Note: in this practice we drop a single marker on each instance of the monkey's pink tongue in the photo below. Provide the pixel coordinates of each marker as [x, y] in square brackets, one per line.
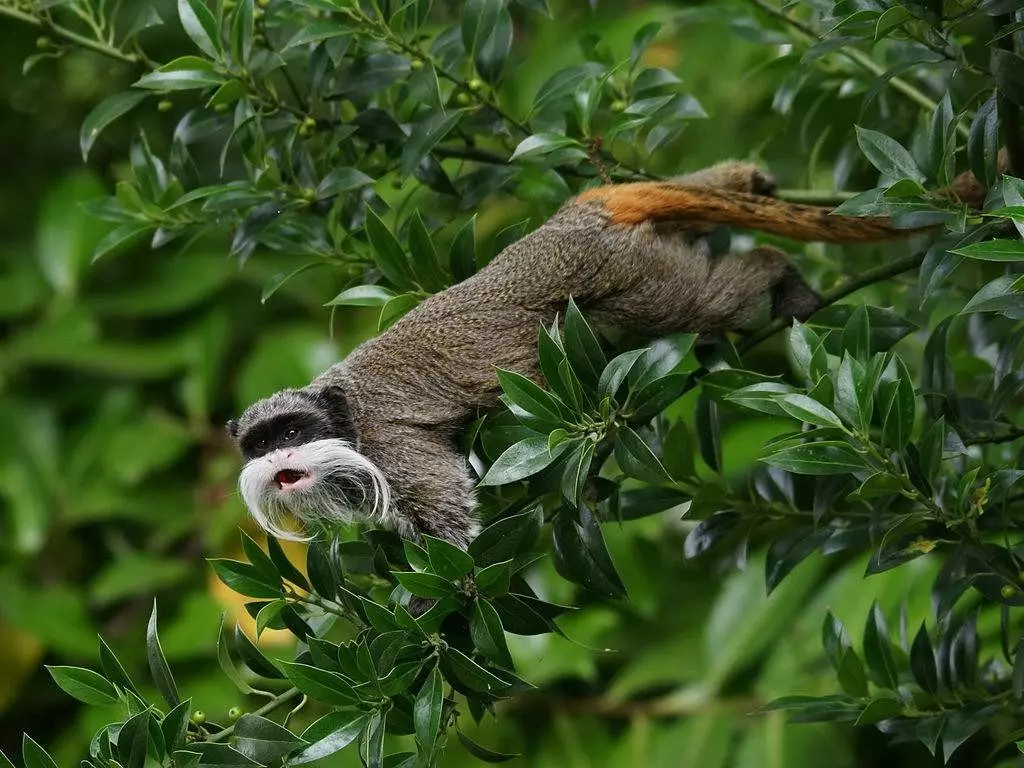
[287, 477]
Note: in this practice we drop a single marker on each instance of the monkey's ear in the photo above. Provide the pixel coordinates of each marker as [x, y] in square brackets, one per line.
[232, 428]
[333, 398]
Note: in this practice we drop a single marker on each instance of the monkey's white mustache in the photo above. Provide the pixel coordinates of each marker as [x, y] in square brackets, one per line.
[321, 481]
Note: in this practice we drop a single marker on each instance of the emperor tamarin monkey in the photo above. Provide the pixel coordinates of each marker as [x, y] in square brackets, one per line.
[377, 431]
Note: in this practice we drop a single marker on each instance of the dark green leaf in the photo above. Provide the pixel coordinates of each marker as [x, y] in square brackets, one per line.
[788, 551]
[521, 391]
[1008, 72]
[264, 740]
[321, 684]
[174, 726]
[709, 532]
[106, 112]
[216, 755]
[447, 560]
[425, 584]
[494, 580]
[1004, 295]
[133, 740]
[158, 667]
[112, 668]
[362, 296]
[896, 404]
[827, 457]
[519, 461]
[34, 755]
[242, 32]
[84, 685]
[922, 662]
[330, 734]
[887, 155]
[462, 253]
[322, 569]
[636, 459]
[580, 554]
[993, 250]
[285, 566]
[386, 252]
[424, 137]
[709, 437]
[253, 657]
[878, 651]
[809, 410]
[582, 347]
[507, 538]
[487, 633]
[983, 142]
[574, 477]
[200, 25]
[474, 676]
[425, 264]
[245, 579]
[616, 371]
[427, 711]
[483, 753]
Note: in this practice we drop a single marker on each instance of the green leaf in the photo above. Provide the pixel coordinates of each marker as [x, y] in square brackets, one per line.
[709, 437]
[857, 334]
[492, 50]
[264, 740]
[34, 755]
[321, 684]
[252, 656]
[519, 461]
[827, 457]
[341, 180]
[887, 155]
[447, 560]
[425, 135]
[506, 538]
[922, 662]
[362, 296]
[200, 25]
[615, 373]
[896, 404]
[474, 676]
[983, 142]
[581, 556]
[216, 755]
[541, 144]
[854, 399]
[662, 357]
[386, 252]
[574, 477]
[488, 636]
[582, 347]
[104, 113]
[531, 398]
[494, 580]
[425, 263]
[807, 354]
[112, 668]
[285, 566]
[425, 584]
[788, 551]
[636, 459]
[322, 568]
[1008, 72]
[84, 684]
[330, 734]
[993, 250]
[158, 667]
[245, 579]
[642, 40]
[1004, 295]
[462, 253]
[174, 726]
[878, 651]
[179, 80]
[427, 713]
[809, 410]
[133, 740]
[242, 32]
[483, 753]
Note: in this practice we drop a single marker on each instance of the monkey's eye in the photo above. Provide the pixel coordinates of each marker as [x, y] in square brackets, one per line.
[261, 444]
[291, 434]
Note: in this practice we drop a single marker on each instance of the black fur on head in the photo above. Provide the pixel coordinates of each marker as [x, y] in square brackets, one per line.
[292, 417]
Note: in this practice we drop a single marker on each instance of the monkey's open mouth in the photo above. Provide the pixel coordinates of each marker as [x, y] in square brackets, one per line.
[286, 478]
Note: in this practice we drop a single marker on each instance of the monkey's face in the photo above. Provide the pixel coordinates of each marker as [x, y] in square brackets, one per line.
[298, 464]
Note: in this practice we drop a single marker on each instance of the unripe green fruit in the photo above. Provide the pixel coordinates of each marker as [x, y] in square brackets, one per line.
[262, 3]
[43, 42]
[416, 64]
[1008, 591]
[308, 194]
[198, 717]
[165, 105]
[220, 108]
[618, 105]
[475, 84]
[234, 713]
[462, 99]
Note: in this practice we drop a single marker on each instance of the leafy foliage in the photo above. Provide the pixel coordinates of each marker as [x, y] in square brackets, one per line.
[354, 151]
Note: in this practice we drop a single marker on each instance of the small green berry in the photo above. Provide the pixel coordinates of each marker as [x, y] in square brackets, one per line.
[1008, 591]
[462, 99]
[416, 64]
[262, 3]
[43, 42]
[308, 194]
[305, 132]
[165, 105]
[618, 105]
[309, 121]
[475, 84]
[198, 717]
[258, 13]
[234, 713]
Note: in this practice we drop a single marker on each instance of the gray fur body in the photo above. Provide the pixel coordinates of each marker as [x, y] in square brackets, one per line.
[409, 391]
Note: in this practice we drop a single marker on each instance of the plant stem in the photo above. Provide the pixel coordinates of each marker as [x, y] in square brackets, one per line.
[859, 58]
[877, 275]
[998, 437]
[270, 706]
[96, 46]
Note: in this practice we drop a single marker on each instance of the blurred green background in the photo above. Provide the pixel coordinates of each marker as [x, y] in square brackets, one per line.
[116, 479]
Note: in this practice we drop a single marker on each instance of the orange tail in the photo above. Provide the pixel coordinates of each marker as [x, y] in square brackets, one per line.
[654, 201]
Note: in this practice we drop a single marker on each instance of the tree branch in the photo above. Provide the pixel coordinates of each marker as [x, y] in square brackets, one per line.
[884, 272]
[270, 706]
[1015, 433]
[63, 33]
[859, 58]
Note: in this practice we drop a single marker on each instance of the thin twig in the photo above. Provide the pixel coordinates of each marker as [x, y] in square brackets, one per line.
[1016, 433]
[97, 46]
[270, 706]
